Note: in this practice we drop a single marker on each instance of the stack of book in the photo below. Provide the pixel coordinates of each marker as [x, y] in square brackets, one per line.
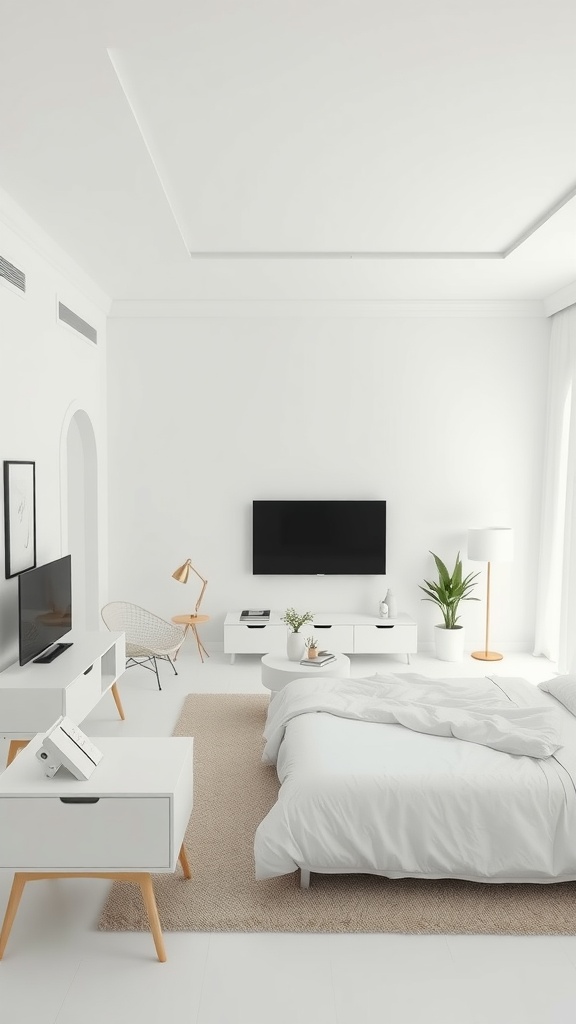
[322, 658]
[255, 615]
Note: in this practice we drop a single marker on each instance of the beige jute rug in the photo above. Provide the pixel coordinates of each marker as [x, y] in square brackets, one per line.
[233, 791]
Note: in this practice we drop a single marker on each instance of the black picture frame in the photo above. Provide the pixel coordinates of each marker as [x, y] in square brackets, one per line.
[19, 517]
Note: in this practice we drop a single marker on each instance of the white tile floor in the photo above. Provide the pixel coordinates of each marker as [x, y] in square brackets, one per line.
[58, 969]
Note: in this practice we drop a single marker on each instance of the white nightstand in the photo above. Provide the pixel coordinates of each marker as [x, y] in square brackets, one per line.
[277, 671]
[126, 821]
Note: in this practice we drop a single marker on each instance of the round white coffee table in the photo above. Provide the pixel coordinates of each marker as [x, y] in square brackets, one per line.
[277, 671]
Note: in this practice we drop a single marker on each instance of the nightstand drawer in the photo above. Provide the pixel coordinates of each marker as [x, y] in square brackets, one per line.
[388, 638]
[47, 833]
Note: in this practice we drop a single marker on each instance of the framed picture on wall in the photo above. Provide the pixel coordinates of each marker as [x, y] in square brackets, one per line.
[19, 517]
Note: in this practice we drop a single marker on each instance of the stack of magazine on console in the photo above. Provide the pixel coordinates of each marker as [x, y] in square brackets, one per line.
[255, 615]
[322, 658]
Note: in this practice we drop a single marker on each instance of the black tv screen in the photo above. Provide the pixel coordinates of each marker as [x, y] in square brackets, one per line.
[44, 606]
[319, 538]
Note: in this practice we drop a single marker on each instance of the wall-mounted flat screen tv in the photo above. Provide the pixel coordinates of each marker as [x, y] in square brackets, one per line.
[44, 606]
[319, 538]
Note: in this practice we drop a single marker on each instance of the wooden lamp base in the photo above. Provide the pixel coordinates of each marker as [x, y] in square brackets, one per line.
[486, 656]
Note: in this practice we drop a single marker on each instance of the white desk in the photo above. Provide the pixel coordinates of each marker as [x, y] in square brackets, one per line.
[126, 821]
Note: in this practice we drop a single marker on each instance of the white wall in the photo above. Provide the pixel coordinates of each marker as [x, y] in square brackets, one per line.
[441, 416]
[47, 371]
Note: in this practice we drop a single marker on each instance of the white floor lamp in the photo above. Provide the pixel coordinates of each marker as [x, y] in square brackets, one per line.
[491, 544]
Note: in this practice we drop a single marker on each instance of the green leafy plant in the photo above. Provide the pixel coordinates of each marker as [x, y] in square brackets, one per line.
[311, 643]
[449, 590]
[296, 619]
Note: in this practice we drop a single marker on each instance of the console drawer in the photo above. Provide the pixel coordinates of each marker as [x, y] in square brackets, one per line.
[44, 833]
[246, 638]
[335, 637]
[397, 638]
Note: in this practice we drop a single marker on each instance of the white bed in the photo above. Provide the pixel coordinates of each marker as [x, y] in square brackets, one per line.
[366, 797]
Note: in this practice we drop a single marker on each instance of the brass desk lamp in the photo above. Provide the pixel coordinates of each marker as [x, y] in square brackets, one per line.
[182, 573]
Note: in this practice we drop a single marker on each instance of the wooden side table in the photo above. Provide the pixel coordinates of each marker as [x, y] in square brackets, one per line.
[191, 622]
[126, 822]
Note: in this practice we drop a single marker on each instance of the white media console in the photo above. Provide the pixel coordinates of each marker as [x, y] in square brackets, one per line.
[340, 633]
[33, 696]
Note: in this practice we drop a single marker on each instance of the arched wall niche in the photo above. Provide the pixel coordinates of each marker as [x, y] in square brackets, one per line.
[79, 513]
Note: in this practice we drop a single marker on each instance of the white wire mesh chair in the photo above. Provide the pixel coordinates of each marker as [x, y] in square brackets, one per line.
[149, 638]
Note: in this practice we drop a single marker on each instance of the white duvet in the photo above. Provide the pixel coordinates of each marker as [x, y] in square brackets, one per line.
[394, 777]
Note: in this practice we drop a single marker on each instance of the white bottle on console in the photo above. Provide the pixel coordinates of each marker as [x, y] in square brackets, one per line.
[383, 609]
[392, 605]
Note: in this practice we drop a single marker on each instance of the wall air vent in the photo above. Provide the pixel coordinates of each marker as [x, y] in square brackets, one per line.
[68, 316]
[11, 274]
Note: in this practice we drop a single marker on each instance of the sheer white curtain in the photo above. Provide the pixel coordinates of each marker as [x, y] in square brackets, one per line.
[556, 602]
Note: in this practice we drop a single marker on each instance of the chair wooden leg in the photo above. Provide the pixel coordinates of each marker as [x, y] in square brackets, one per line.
[152, 911]
[11, 910]
[117, 701]
[15, 747]
[183, 858]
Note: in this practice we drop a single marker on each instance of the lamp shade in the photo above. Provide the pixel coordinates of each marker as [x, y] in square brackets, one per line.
[183, 572]
[491, 544]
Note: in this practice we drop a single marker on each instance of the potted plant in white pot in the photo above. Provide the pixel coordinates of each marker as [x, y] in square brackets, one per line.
[295, 643]
[447, 592]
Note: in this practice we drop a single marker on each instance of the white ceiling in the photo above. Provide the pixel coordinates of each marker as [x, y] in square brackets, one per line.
[348, 149]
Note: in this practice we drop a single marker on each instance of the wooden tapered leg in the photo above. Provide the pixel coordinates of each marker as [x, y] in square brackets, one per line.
[117, 701]
[143, 880]
[183, 858]
[10, 915]
[152, 911]
[200, 645]
[15, 747]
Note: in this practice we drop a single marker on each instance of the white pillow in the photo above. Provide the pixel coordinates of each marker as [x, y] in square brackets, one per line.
[564, 689]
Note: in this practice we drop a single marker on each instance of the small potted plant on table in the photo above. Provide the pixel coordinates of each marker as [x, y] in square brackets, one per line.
[312, 645]
[447, 592]
[295, 644]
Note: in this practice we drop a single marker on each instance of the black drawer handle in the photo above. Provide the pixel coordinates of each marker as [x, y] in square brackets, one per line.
[257, 627]
[88, 670]
[318, 625]
[79, 799]
[389, 625]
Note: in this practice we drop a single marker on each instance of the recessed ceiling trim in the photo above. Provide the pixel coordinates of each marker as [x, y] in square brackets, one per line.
[332, 255]
[532, 228]
[384, 255]
[317, 308]
[115, 58]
